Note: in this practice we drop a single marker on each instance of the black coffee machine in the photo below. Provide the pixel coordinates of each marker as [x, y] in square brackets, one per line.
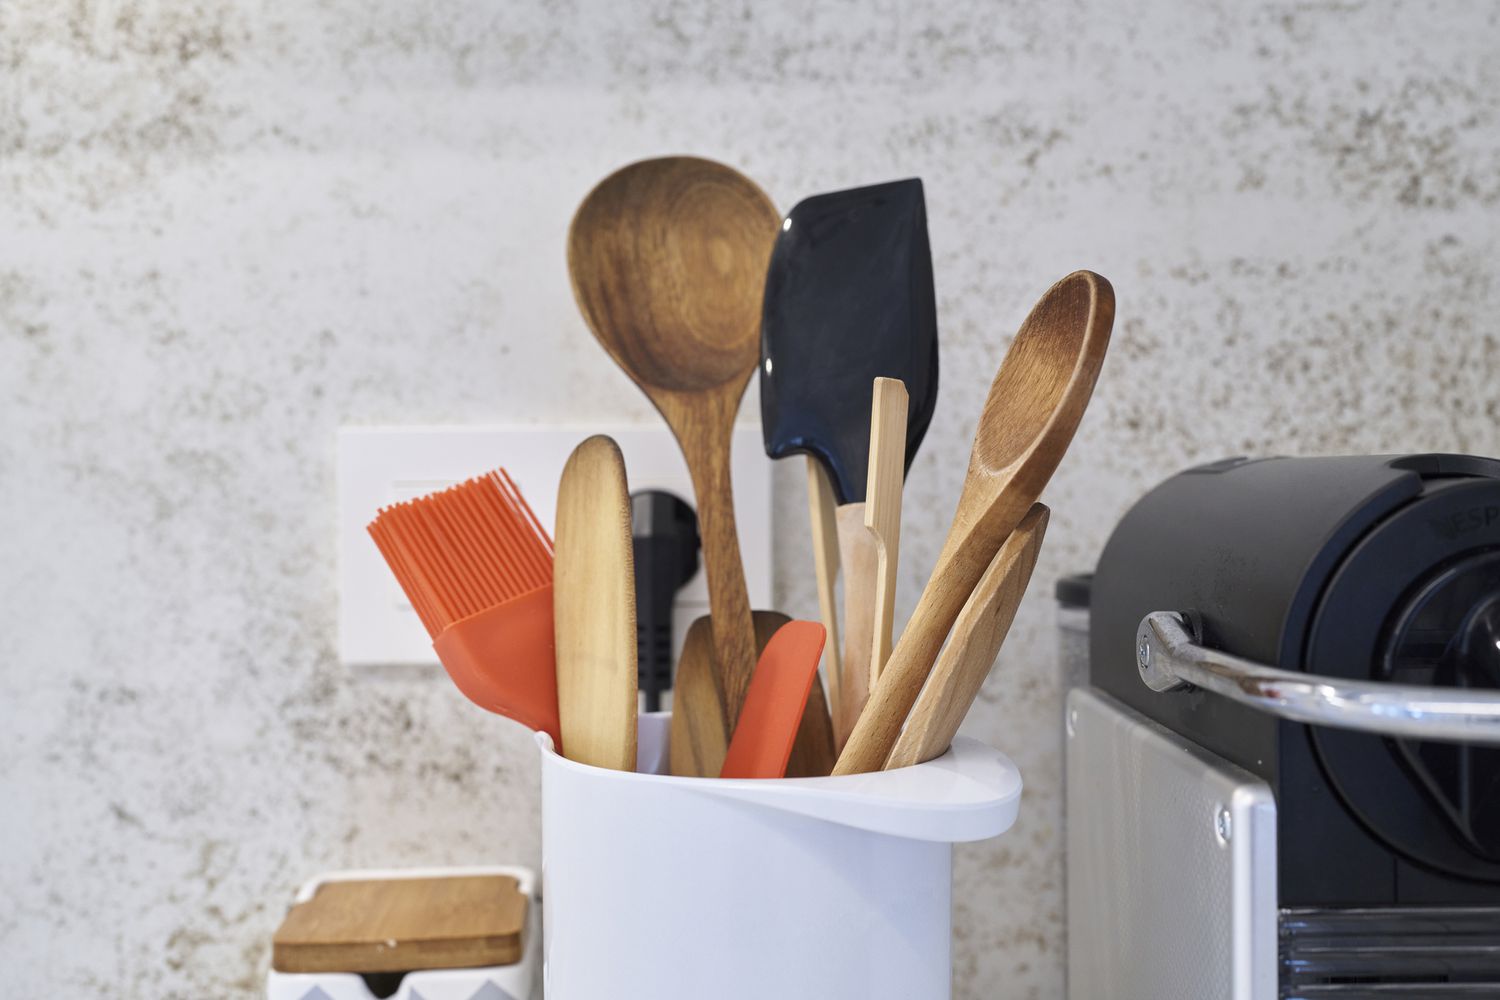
[1284, 772]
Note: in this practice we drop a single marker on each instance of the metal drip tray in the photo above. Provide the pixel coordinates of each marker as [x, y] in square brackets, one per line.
[1411, 952]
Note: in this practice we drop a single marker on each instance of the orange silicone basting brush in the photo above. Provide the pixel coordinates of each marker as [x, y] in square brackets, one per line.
[477, 567]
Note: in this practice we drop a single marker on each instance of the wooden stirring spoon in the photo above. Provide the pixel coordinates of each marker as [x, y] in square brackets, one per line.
[1033, 408]
[668, 262]
[977, 636]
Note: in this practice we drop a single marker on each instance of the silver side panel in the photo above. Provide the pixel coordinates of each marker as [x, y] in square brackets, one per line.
[1171, 864]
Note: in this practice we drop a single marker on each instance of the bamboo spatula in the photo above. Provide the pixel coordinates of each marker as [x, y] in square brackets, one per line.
[883, 508]
[869, 540]
[593, 601]
[977, 636]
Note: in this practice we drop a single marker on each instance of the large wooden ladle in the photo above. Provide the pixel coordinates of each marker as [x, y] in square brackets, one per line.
[668, 262]
[1033, 408]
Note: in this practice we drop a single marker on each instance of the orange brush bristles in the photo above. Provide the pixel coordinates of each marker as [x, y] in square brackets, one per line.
[476, 565]
[464, 549]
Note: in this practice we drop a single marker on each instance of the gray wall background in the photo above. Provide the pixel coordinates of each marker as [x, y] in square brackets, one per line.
[226, 229]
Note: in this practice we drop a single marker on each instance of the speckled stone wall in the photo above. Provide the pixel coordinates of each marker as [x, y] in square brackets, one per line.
[227, 229]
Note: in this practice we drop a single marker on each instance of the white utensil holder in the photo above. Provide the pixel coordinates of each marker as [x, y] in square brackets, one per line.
[826, 888]
[500, 982]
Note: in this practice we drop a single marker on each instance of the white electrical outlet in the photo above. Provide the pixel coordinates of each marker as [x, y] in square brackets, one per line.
[378, 466]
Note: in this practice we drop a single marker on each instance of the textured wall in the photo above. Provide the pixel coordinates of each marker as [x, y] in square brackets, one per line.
[227, 229]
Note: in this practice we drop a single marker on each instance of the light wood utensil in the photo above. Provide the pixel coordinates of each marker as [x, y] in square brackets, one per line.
[883, 507]
[668, 262]
[869, 541]
[971, 650]
[825, 544]
[859, 561]
[1033, 408]
[784, 677]
[593, 608]
[698, 745]
[395, 925]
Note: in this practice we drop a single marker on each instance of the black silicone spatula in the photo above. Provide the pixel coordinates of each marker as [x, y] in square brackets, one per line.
[849, 298]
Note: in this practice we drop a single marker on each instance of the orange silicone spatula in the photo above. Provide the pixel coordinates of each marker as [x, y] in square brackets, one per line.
[783, 679]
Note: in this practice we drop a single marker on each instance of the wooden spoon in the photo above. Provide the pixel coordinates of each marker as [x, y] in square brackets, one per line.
[593, 608]
[668, 262]
[1033, 408]
[977, 636]
[699, 741]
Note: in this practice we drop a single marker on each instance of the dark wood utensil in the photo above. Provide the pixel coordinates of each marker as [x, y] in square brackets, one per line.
[667, 259]
[699, 742]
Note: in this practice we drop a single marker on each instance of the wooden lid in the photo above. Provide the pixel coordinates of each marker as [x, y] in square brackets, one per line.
[401, 925]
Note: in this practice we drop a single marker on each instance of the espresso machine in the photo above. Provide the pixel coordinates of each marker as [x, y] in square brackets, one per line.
[1283, 753]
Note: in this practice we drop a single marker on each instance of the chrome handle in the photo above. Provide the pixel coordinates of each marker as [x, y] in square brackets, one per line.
[1169, 658]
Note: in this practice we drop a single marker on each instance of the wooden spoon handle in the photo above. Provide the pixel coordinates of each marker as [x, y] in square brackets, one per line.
[728, 600]
[977, 636]
[860, 554]
[825, 545]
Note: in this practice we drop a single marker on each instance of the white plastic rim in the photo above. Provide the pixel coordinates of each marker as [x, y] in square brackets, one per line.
[666, 887]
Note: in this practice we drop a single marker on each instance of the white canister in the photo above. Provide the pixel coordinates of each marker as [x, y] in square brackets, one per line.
[662, 887]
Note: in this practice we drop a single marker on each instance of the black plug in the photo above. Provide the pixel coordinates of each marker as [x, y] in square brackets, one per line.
[665, 543]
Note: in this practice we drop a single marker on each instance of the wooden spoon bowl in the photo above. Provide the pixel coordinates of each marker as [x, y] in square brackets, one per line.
[668, 261]
[1043, 386]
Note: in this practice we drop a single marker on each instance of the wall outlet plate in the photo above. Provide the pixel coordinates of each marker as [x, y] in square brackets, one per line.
[378, 466]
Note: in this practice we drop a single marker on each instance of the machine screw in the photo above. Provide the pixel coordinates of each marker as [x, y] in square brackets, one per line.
[1224, 825]
[1143, 653]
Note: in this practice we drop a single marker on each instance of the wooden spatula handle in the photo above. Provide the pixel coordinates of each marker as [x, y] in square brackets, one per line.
[860, 555]
[883, 508]
[825, 544]
[728, 600]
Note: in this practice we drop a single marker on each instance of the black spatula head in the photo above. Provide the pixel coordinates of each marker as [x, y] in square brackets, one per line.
[848, 298]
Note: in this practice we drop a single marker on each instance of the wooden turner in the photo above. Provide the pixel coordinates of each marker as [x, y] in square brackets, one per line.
[977, 636]
[779, 689]
[593, 602]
